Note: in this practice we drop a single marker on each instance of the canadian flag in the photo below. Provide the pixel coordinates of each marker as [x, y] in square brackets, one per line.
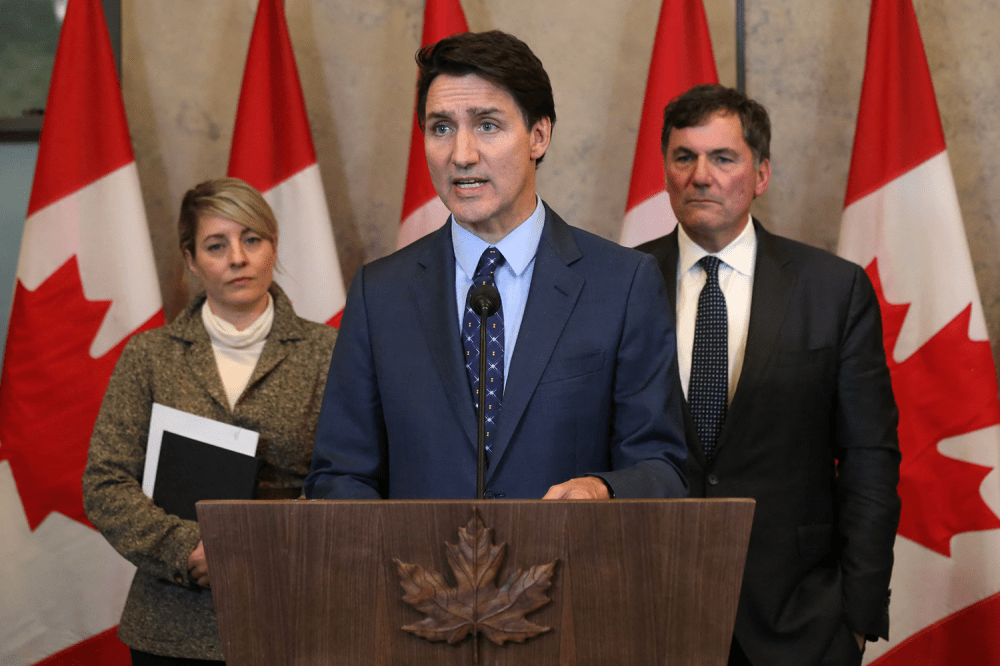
[273, 151]
[682, 58]
[85, 283]
[423, 210]
[902, 222]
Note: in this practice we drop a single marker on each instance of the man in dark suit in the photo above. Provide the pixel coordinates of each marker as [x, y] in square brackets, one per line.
[582, 350]
[787, 395]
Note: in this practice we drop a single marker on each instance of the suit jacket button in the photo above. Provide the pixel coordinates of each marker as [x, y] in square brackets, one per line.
[713, 480]
[488, 494]
[178, 578]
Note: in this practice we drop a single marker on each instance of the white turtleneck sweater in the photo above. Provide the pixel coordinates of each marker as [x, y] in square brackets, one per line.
[236, 352]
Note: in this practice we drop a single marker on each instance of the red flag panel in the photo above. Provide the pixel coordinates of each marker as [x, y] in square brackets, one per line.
[897, 86]
[944, 603]
[967, 637]
[442, 18]
[51, 387]
[271, 139]
[103, 649]
[682, 58]
[85, 133]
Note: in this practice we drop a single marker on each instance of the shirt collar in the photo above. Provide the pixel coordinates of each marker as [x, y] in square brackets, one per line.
[518, 247]
[739, 254]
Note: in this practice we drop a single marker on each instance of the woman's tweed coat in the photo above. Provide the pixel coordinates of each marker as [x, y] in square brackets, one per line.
[166, 613]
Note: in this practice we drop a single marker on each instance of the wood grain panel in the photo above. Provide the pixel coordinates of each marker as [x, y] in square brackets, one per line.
[298, 583]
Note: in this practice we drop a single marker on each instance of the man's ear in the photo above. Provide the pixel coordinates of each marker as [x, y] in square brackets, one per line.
[763, 177]
[541, 134]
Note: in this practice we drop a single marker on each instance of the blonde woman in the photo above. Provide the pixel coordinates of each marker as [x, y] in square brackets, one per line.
[237, 354]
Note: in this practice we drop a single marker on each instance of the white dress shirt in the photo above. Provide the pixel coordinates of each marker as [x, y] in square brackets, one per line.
[513, 278]
[735, 280]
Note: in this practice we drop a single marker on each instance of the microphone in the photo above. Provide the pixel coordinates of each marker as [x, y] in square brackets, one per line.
[484, 301]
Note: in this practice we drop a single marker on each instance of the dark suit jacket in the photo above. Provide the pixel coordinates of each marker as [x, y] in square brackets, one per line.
[811, 435]
[589, 388]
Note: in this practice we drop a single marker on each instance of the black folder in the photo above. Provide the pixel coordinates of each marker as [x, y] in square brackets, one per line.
[190, 471]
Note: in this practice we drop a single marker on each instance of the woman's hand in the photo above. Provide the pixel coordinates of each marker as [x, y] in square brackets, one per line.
[197, 566]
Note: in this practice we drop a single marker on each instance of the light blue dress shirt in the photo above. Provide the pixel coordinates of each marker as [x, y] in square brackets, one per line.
[513, 279]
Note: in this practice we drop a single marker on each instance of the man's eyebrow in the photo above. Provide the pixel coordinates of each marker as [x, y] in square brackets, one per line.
[439, 115]
[477, 112]
[684, 150]
[473, 112]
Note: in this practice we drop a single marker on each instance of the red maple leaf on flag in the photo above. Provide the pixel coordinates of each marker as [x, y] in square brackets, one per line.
[51, 391]
[946, 388]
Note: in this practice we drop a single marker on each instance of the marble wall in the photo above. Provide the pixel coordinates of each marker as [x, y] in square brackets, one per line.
[183, 62]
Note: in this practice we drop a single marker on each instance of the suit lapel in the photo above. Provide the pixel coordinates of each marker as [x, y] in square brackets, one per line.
[285, 330]
[274, 352]
[667, 255]
[555, 288]
[189, 328]
[433, 293]
[773, 282]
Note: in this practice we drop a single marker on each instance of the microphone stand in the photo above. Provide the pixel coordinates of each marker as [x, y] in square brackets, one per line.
[484, 301]
[481, 425]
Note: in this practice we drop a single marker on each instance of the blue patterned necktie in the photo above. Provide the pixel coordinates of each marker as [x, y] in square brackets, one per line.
[488, 263]
[708, 390]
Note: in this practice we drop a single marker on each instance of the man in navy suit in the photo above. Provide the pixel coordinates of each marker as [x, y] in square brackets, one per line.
[586, 409]
[806, 423]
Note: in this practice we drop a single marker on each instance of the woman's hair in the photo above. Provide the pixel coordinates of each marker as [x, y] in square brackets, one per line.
[230, 198]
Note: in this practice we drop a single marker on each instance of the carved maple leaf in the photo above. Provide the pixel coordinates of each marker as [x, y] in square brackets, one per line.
[475, 604]
[51, 390]
[948, 387]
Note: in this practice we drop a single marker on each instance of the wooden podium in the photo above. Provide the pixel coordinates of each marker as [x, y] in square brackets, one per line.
[635, 583]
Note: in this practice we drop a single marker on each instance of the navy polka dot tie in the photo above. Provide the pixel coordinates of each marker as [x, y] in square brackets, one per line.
[488, 263]
[708, 390]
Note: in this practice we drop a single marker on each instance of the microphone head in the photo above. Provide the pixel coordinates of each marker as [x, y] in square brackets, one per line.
[484, 300]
